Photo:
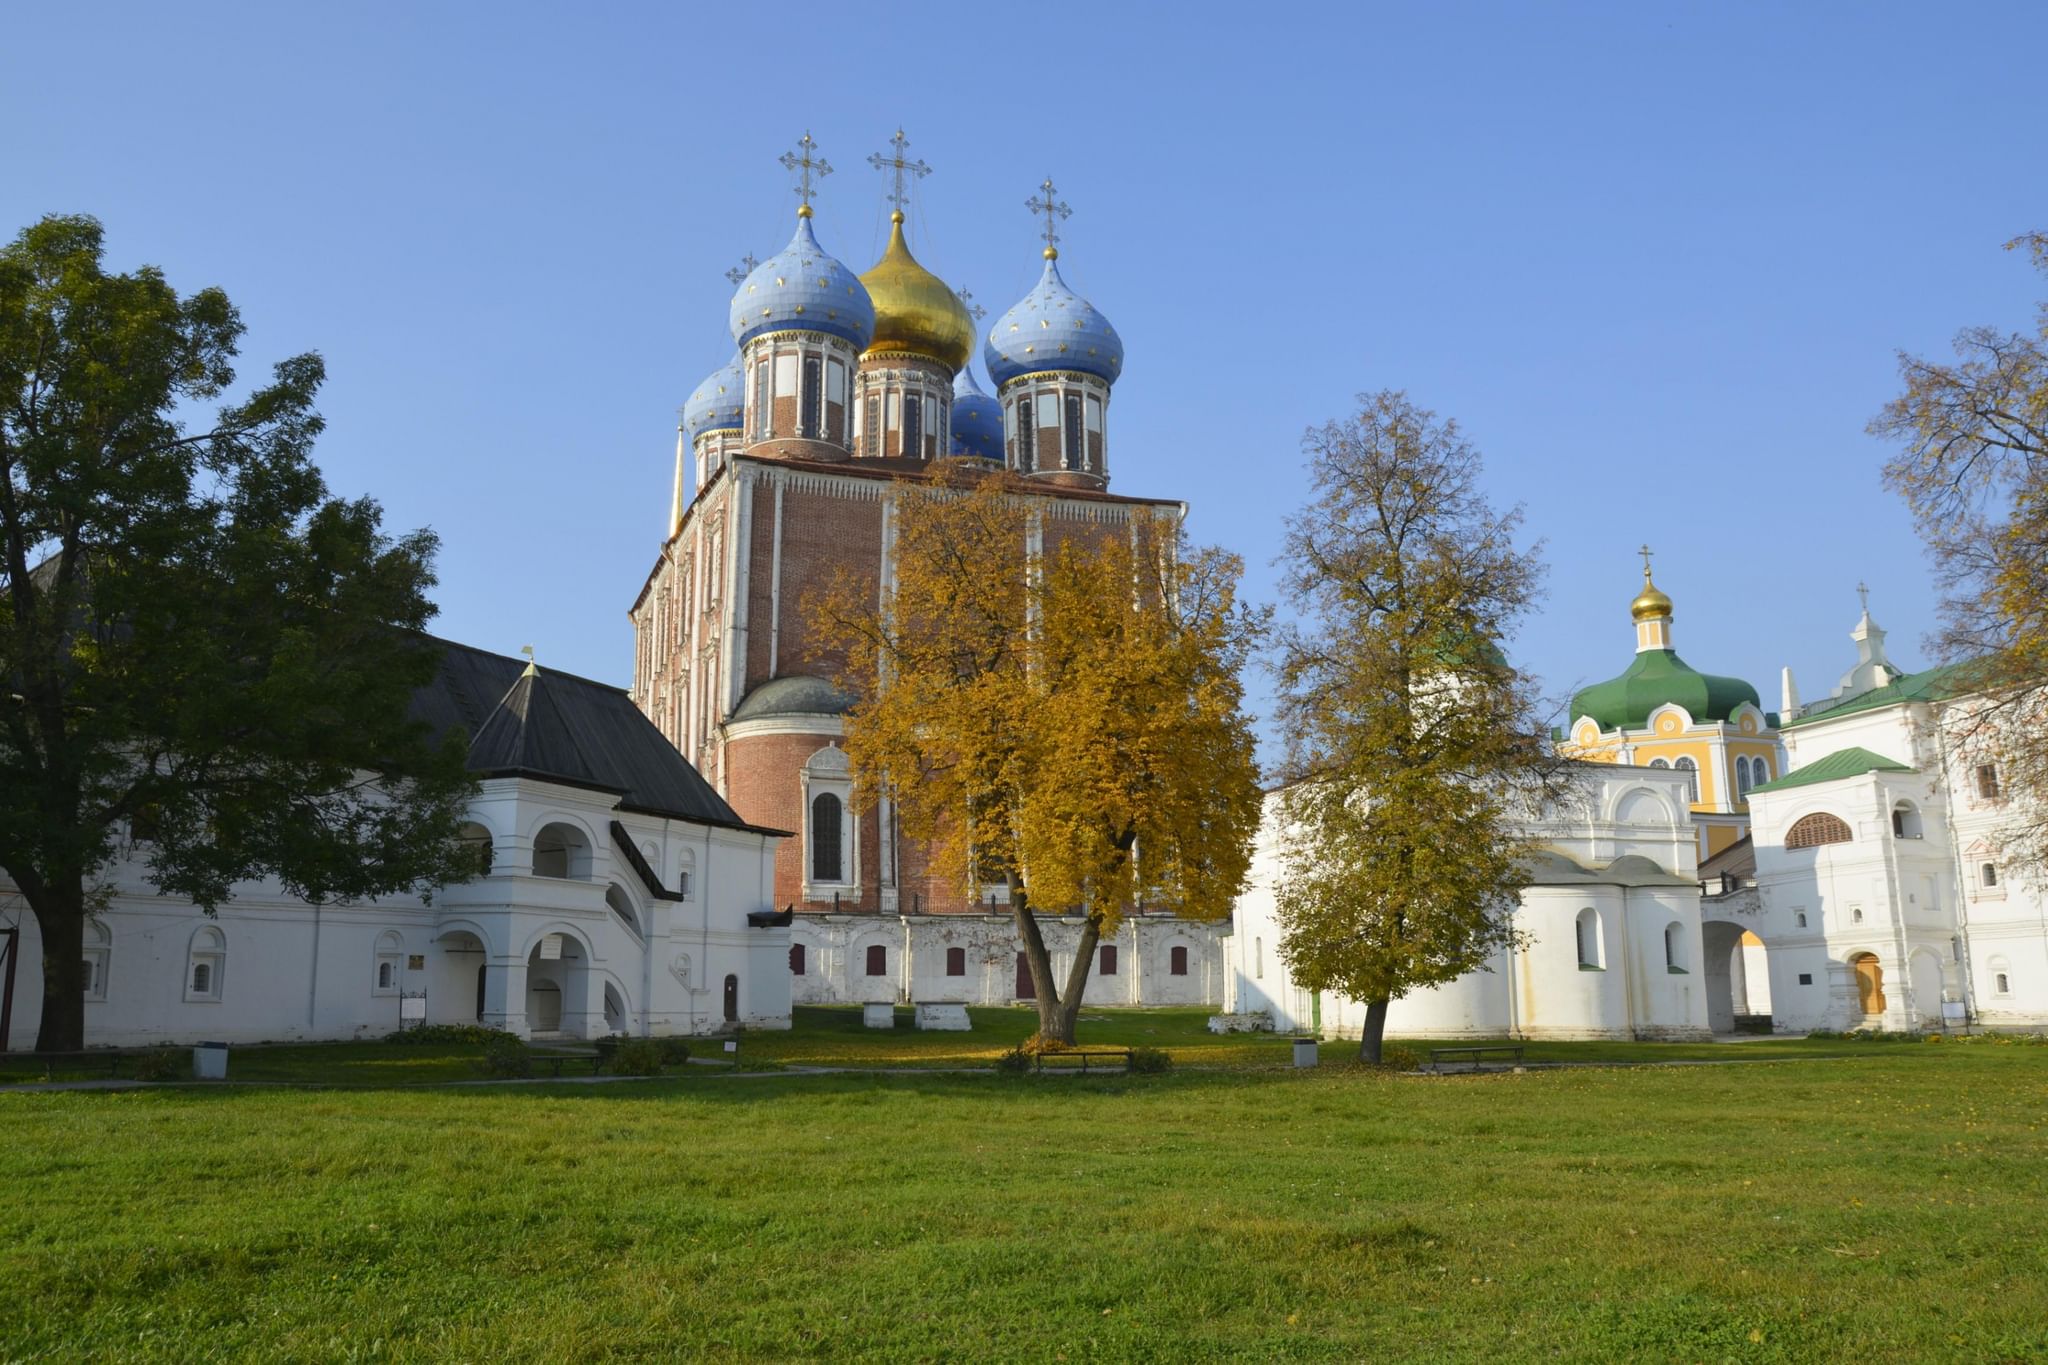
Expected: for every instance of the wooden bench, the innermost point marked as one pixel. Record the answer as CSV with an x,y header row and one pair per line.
x,y
556,1060
1109,1059
1510,1052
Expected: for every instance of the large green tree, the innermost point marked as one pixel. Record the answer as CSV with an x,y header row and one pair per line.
x,y
208,659
1412,752
1973,466
1068,722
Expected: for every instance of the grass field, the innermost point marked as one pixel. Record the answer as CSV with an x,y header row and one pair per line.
x,y
1886,1205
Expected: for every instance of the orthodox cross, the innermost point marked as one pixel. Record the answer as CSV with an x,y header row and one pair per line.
x,y
974,310
1645,553
1053,210
738,274
1863,591
899,168
805,167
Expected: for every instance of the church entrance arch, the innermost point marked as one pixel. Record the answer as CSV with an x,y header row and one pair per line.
x,y
1869,983
559,988
1738,978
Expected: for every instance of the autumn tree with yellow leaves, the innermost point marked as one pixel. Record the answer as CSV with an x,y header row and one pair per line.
x,y
1069,722
1973,467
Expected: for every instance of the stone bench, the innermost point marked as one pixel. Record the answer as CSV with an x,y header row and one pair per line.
x,y
878,1016
944,1015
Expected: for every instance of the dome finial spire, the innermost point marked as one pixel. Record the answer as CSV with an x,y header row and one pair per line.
x,y
898,167
806,167
1053,210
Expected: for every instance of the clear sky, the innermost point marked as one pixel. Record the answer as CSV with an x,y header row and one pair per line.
x,y
1656,258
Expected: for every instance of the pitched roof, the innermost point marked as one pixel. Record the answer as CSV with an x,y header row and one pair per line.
x,y
525,721
1738,859
1851,762
1548,867
1929,684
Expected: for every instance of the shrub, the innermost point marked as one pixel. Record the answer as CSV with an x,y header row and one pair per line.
x,y
437,1034
1038,1043
164,1064
635,1057
1394,1057
1150,1061
1015,1062
674,1051
507,1059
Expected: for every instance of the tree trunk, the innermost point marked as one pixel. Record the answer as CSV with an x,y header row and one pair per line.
x,y
1375,1032
63,933
1057,1010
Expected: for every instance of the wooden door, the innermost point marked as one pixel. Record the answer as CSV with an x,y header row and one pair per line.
x,y
1026,988
732,999
1869,984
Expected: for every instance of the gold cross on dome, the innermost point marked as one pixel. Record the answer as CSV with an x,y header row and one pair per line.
x,y
898,168
1053,210
974,310
738,274
805,166
1645,553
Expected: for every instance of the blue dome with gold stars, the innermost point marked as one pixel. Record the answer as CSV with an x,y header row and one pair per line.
x,y
977,420
719,404
800,287
1053,328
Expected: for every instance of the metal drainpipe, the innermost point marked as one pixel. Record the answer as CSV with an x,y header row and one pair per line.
x,y
1965,968
1628,972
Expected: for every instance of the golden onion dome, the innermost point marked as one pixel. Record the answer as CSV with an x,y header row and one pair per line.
x,y
1650,603
915,311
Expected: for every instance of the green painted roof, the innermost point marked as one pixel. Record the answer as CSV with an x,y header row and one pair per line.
x,y
1930,684
1840,764
1658,677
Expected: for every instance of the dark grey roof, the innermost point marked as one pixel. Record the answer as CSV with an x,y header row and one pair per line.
x,y
798,694
534,722
1548,867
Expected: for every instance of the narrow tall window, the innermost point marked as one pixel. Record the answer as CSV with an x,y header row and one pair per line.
x,y
813,399
1259,958
1587,933
1987,781
763,400
913,426
878,960
1108,967
1075,450
956,962
874,425
1692,778
825,859
1989,873
1095,434
1177,962
1741,779
1674,947
796,959
1027,438
2002,984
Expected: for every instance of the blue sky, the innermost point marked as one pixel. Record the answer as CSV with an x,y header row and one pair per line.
x,y
1657,259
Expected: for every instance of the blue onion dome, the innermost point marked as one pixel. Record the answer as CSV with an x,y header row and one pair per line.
x,y
718,404
802,287
1053,328
977,420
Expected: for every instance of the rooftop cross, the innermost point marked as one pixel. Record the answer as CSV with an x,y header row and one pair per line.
x,y
1863,591
899,168
1053,210
974,310
806,167
1645,553
738,274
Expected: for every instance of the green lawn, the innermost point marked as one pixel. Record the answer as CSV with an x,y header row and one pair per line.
x,y
1882,1208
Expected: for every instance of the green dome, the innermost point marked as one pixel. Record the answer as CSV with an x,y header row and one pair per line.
x,y
1658,677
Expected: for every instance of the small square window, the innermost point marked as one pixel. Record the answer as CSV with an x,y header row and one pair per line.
x,y
1806,978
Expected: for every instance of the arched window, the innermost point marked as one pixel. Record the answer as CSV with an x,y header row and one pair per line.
x,y
1759,771
99,948
1027,438
1108,965
807,418
477,840
560,850
1075,454
2001,984
826,864
1692,778
1586,931
796,959
878,960
621,905
1742,782
1177,961
1659,763
206,964
1987,873
390,957
913,427
1674,947
956,962
1905,821
1811,831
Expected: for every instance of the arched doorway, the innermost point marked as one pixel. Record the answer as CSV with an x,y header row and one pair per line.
x,y
1738,978
732,1000
1869,983
544,1007
560,993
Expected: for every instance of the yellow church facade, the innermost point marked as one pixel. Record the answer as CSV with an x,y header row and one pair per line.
x,y
1663,713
